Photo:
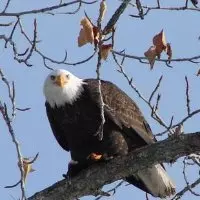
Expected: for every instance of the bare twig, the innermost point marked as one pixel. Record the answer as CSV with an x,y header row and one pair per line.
x,y
34,159
157,102
116,16
153,110
184,190
51,60
68,13
6,24
113,190
143,59
100,130
187,96
186,3
12,32
44,10
12,186
11,93
154,113
195,158
6,6
181,122
158,3
23,109
10,41
3,110
156,88
140,9
33,43
158,7
8,121
185,178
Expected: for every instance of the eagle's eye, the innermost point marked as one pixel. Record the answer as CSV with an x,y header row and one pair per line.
x,y
67,76
52,77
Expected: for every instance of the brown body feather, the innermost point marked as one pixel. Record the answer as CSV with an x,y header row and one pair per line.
x,y
75,125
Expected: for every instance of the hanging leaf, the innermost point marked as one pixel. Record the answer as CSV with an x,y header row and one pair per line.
x,y
105,50
102,10
151,55
159,41
160,45
27,167
86,34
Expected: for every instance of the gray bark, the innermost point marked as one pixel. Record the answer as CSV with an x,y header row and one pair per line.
x,y
91,180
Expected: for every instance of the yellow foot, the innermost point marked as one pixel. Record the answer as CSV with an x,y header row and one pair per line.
x,y
95,156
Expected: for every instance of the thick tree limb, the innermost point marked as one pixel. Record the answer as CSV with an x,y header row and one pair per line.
x,y
90,181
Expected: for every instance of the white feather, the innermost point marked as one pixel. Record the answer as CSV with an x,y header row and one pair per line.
x,y
57,96
73,162
157,181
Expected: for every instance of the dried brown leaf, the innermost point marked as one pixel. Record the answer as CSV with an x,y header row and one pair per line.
x,y
102,10
105,50
86,34
151,54
96,35
159,41
27,167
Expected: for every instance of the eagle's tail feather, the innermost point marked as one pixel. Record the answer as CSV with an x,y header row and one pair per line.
x,y
155,181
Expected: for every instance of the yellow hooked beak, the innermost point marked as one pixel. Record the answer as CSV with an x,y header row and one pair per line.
x,y
61,80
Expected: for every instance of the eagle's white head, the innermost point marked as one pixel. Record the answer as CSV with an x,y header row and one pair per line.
x,y
62,87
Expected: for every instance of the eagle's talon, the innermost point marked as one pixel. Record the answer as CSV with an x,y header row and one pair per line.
x,y
95,156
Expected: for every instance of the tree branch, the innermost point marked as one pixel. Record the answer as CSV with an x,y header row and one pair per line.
x,y
45,9
116,16
142,59
90,181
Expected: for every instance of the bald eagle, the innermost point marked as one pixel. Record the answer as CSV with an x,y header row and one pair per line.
x,y
73,108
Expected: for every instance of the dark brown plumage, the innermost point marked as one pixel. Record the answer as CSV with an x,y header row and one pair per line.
x,y
78,123
75,124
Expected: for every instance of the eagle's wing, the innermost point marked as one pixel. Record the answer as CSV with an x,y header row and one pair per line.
x,y
124,112
121,109
58,133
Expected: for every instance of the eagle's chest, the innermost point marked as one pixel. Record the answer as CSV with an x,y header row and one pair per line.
x,y
79,124
79,119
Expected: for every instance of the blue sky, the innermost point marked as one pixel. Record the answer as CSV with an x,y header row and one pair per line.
x,y
59,33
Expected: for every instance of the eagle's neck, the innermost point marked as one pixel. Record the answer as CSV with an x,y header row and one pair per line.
x,y
58,97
